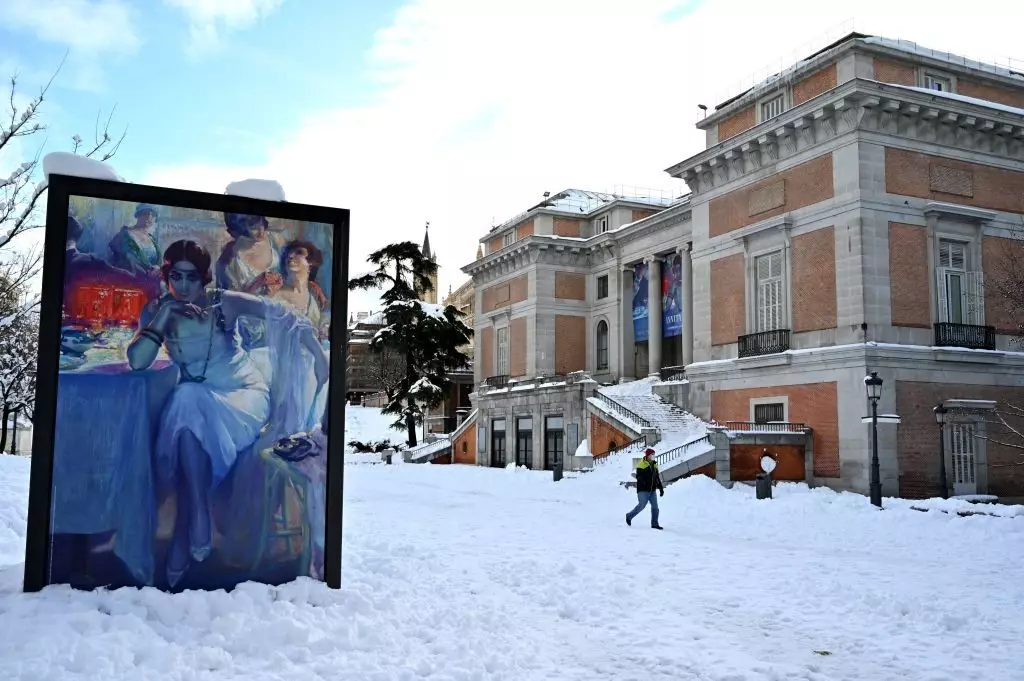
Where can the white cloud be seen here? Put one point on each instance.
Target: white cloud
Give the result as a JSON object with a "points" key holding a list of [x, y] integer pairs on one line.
{"points": [[482, 107], [92, 26], [208, 19]]}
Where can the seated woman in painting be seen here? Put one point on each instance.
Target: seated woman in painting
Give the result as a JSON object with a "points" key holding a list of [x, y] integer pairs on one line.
{"points": [[300, 262], [223, 405], [134, 247]]}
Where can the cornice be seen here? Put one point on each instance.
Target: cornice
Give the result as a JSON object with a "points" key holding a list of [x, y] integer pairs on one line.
{"points": [[856, 105], [550, 249]]}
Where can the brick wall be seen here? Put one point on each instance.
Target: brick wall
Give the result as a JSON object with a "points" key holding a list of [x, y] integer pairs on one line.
{"points": [[604, 436], [909, 274], [892, 71], [992, 93], [638, 214], [707, 469], [798, 187], [737, 123], [570, 343], [487, 351], [506, 293], [524, 230], [814, 404], [517, 347], [728, 300], [570, 286], [918, 438], [1002, 261], [568, 227], [815, 84], [910, 173], [814, 280], [745, 462], [494, 245], [464, 446]]}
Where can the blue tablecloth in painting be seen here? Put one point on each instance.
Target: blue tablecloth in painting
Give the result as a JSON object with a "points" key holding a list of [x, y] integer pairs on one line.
{"points": [[102, 470]]}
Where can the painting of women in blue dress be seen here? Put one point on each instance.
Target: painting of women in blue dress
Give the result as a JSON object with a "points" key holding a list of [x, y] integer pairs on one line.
{"points": [[222, 404], [135, 249], [202, 462], [251, 263]]}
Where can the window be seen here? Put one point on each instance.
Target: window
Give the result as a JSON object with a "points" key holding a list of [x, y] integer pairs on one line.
{"points": [[503, 351], [554, 441], [508, 239], [959, 290], [769, 412], [602, 286], [602, 345], [601, 224], [960, 439], [769, 291], [772, 108], [936, 82], [524, 442]]}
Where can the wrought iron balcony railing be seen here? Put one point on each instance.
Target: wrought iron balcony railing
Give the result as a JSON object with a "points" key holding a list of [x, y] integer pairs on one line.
{"points": [[950, 335], [764, 343]]}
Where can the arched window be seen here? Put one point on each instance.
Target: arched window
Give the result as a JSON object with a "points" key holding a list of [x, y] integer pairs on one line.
{"points": [[602, 345]]}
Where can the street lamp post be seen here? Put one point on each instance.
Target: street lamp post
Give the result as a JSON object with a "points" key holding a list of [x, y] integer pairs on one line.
{"points": [[940, 418], [873, 385]]}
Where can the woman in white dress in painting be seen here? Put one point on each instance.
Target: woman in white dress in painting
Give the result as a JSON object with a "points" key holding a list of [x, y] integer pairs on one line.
{"points": [[300, 263], [222, 404]]}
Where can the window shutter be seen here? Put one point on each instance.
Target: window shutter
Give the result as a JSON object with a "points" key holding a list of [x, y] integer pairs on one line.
{"points": [[974, 294], [943, 293]]}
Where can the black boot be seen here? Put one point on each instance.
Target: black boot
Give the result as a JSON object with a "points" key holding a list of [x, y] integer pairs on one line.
{"points": [[629, 521], [657, 527]]}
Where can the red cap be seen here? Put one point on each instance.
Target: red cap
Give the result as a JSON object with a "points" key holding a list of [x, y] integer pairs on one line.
{"points": [[649, 450]]}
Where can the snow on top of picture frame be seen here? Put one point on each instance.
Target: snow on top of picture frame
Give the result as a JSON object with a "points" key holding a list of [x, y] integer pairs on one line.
{"points": [[268, 190], [76, 165]]}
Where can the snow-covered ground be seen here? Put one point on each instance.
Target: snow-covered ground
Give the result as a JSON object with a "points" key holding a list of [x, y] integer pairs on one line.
{"points": [[458, 572]]}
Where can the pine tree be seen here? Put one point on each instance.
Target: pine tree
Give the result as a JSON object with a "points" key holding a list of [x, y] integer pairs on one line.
{"points": [[428, 337]]}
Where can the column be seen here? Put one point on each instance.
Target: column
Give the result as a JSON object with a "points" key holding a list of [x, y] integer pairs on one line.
{"points": [[627, 343], [654, 315], [686, 298]]}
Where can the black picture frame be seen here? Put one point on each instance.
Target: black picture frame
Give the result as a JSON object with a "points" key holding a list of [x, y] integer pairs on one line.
{"points": [[61, 189]]}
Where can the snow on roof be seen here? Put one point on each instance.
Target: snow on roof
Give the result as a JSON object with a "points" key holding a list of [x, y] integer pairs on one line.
{"points": [[269, 190], [996, 106], [583, 202], [913, 48], [75, 165]]}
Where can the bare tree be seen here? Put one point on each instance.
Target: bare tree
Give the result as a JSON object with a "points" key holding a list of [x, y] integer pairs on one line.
{"points": [[22, 192], [21, 196]]}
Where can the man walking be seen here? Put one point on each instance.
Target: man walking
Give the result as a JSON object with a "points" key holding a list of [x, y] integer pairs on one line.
{"points": [[648, 479]]}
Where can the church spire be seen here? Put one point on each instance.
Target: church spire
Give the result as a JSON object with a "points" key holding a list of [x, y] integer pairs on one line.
{"points": [[426, 243]]}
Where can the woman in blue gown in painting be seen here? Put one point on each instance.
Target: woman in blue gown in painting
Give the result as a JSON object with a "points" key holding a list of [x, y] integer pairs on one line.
{"points": [[223, 404]]}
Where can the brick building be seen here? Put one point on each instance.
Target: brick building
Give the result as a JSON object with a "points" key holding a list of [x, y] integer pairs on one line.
{"points": [[843, 218]]}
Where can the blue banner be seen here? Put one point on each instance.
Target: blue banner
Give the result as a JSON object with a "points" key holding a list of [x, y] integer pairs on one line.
{"points": [[640, 302], [671, 296]]}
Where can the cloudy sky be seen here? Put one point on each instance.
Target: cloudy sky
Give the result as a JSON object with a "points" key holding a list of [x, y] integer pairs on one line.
{"points": [[460, 112]]}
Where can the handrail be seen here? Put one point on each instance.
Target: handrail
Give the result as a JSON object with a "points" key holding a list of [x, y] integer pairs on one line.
{"points": [[602, 458], [622, 410], [773, 427], [676, 373], [677, 452]]}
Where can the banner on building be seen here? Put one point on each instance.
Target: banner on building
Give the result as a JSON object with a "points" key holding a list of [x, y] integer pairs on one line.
{"points": [[640, 319], [671, 296]]}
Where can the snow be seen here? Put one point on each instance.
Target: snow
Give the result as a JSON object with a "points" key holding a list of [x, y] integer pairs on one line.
{"points": [[268, 190], [465, 572], [913, 48], [75, 165], [583, 449], [988, 104]]}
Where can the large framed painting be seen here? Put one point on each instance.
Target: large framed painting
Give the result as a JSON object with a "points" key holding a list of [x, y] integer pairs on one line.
{"points": [[189, 408]]}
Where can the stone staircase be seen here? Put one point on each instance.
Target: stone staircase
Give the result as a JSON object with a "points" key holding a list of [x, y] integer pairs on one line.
{"points": [[674, 426]]}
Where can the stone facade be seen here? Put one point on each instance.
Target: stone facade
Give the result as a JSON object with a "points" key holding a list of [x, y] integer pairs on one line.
{"points": [[819, 245], [859, 242]]}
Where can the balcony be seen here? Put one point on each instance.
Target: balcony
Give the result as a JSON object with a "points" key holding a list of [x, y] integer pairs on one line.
{"points": [[764, 343], [496, 381], [971, 336]]}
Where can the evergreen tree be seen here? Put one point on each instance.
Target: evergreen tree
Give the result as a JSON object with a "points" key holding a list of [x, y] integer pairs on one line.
{"points": [[428, 337]]}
